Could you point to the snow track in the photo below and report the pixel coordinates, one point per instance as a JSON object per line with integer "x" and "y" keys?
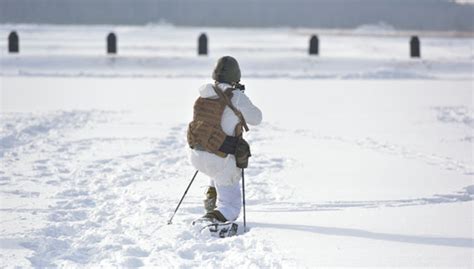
{"x": 108, "y": 197}
{"x": 442, "y": 162}
{"x": 111, "y": 209}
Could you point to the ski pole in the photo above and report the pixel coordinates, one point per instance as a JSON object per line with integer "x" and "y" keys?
{"x": 243, "y": 199}
{"x": 182, "y": 198}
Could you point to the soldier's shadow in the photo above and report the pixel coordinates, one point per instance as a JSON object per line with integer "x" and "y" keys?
{"x": 412, "y": 239}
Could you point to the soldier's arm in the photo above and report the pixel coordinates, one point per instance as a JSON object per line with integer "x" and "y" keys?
{"x": 251, "y": 113}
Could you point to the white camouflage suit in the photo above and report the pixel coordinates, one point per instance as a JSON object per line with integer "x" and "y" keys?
{"x": 223, "y": 173}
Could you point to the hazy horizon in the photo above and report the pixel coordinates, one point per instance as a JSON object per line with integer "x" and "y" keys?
{"x": 442, "y": 15}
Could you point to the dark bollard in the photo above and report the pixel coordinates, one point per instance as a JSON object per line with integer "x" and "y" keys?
{"x": 314, "y": 45}
{"x": 111, "y": 44}
{"x": 13, "y": 42}
{"x": 415, "y": 47}
{"x": 202, "y": 44}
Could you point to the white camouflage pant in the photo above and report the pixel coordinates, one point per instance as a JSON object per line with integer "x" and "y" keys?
{"x": 229, "y": 201}
{"x": 225, "y": 177}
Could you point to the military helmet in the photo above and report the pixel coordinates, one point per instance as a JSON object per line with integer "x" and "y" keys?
{"x": 227, "y": 70}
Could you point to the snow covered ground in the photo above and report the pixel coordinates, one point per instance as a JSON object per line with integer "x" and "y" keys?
{"x": 364, "y": 158}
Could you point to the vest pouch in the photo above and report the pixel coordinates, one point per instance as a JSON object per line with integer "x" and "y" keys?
{"x": 242, "y": 153}
{"x": 190, "y": 136}
{"x": 206, "y": 136}
{"x": 199, "y": 132}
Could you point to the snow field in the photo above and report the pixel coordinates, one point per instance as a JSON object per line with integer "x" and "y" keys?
{"x": 364, "y": 157}
{"x": 98, "y": 204}
{"x": 92, "y": 181}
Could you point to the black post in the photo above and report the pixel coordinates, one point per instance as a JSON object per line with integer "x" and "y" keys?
{"x": 13, "y": 42}
{"x": 111, "y": 43}
{"x": 314, "y": 45}
{"x": 415, "y": 51}
{"x": 182, "y": 198}
{"x": 202, "y": 44}
{"x": 243, "y": 199}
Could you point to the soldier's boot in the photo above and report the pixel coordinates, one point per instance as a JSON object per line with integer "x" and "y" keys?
{"x": 214, "y": 216}
{"x": 211, "y": 198}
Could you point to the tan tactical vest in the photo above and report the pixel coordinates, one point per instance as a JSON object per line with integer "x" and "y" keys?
{"x": 205, "y": 131}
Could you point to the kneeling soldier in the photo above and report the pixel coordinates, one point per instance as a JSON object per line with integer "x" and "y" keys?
{"x": 221, "y": 113}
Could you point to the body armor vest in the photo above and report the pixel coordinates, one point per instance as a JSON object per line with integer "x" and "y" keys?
{"x": 205, "y": 131}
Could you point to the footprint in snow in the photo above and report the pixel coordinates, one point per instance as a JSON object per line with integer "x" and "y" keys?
{"x": 132, "y": 262}
{"x": 136, "y": 252}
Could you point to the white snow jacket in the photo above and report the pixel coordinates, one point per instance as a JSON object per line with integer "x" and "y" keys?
{"x": 224, "y": 170}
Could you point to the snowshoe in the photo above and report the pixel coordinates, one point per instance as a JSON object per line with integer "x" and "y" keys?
{"x": 217, "y": 229}
{"x": 216, "y": 224}
{"x": 223, "y": 230}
